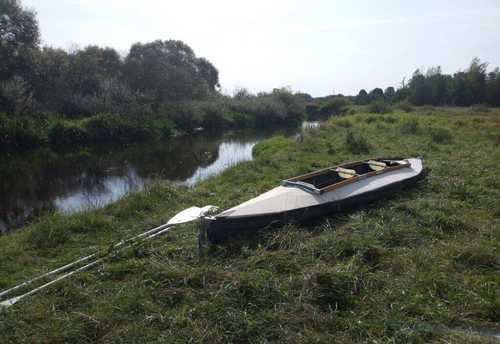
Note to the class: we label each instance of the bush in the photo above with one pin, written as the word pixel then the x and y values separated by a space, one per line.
pixel 389 119
pixel 370 119
pixel 441 135
pixel 280 107
pixel 241 120
pixel 344 123
pixel 18 133
pixel 356 144
pixel 294 105
pixel 405 106
pixel 115 128
pixel 335 107
pixel 313 111
pixel 164 127
pixel 211 115
pixel 186 117
pixel 427 109
pixel 67 134
pixel 410 126
pixel 379 106
pixel 31 132
pixel 480 108
pixel 215 115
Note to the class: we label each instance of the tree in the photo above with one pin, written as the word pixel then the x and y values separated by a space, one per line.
pixel 169 71
pixel 19 37
pixel 376 94
pixel 476 79
pixel 51 79
pixel 493 88
pixel 90 67
pixel 241 93
pixel 306 97
pixel 419 91
pixel 334 107
pixel 461 92
pixel 362 98
pixel 208 73
pixel 19 40
pixel 389 93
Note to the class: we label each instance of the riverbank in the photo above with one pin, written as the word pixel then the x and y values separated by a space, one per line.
pixel 278 109
pixel 421 266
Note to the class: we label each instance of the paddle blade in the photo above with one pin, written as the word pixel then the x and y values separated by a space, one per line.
pixel 189 214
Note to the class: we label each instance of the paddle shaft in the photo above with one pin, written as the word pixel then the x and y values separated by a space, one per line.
pixel 14 300
pixel 80 260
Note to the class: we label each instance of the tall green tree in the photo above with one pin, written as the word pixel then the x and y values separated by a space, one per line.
pixel 90 67
pixel 476 80
pixel 51 87
pixel 169 71
pixel 419 90
pixel 461 91
pixel 19 40
pixel 362 98
pixel 208 73
pixel 389 94
pixel 493 87
pixel 376 94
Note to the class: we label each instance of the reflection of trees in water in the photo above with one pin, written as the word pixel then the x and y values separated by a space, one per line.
pixel 45 185
pixel 47 181
pixel 101 189
pixel 22 195
pixel 177 160
pixel 229 154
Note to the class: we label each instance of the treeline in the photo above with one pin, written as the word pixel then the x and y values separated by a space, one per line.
pixel 473 86
pixel 93 80
pixel 83 96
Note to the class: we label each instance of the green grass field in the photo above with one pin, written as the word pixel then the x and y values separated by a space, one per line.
pixel 422 266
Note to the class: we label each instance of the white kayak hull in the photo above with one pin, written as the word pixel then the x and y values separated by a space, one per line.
pixel 289 203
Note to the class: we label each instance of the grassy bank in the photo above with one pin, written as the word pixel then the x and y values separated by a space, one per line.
pixel 422 266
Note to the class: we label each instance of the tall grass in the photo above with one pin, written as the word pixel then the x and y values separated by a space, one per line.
pixel 356 143
pixel 420 266
pixel 379 106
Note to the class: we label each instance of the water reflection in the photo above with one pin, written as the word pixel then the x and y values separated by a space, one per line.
pixel 70 182
pixel 229 154
pixel 106 190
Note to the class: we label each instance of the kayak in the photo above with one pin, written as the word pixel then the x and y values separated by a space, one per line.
pixel 313 195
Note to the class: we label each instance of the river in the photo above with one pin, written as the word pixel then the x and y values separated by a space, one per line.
pixel 45 180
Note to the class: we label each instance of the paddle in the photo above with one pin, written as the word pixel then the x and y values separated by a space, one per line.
pixel 185 216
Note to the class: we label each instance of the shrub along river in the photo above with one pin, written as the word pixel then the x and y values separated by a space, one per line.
pixel 70 182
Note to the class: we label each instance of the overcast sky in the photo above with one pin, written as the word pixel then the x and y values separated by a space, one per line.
pixel 315 46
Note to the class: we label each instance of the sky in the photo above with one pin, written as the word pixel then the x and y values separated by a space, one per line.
pixel 316 46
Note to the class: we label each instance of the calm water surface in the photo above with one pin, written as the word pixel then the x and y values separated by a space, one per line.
pixel 72 182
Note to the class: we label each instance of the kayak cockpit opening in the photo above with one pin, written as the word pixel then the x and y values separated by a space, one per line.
pixel 330 178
